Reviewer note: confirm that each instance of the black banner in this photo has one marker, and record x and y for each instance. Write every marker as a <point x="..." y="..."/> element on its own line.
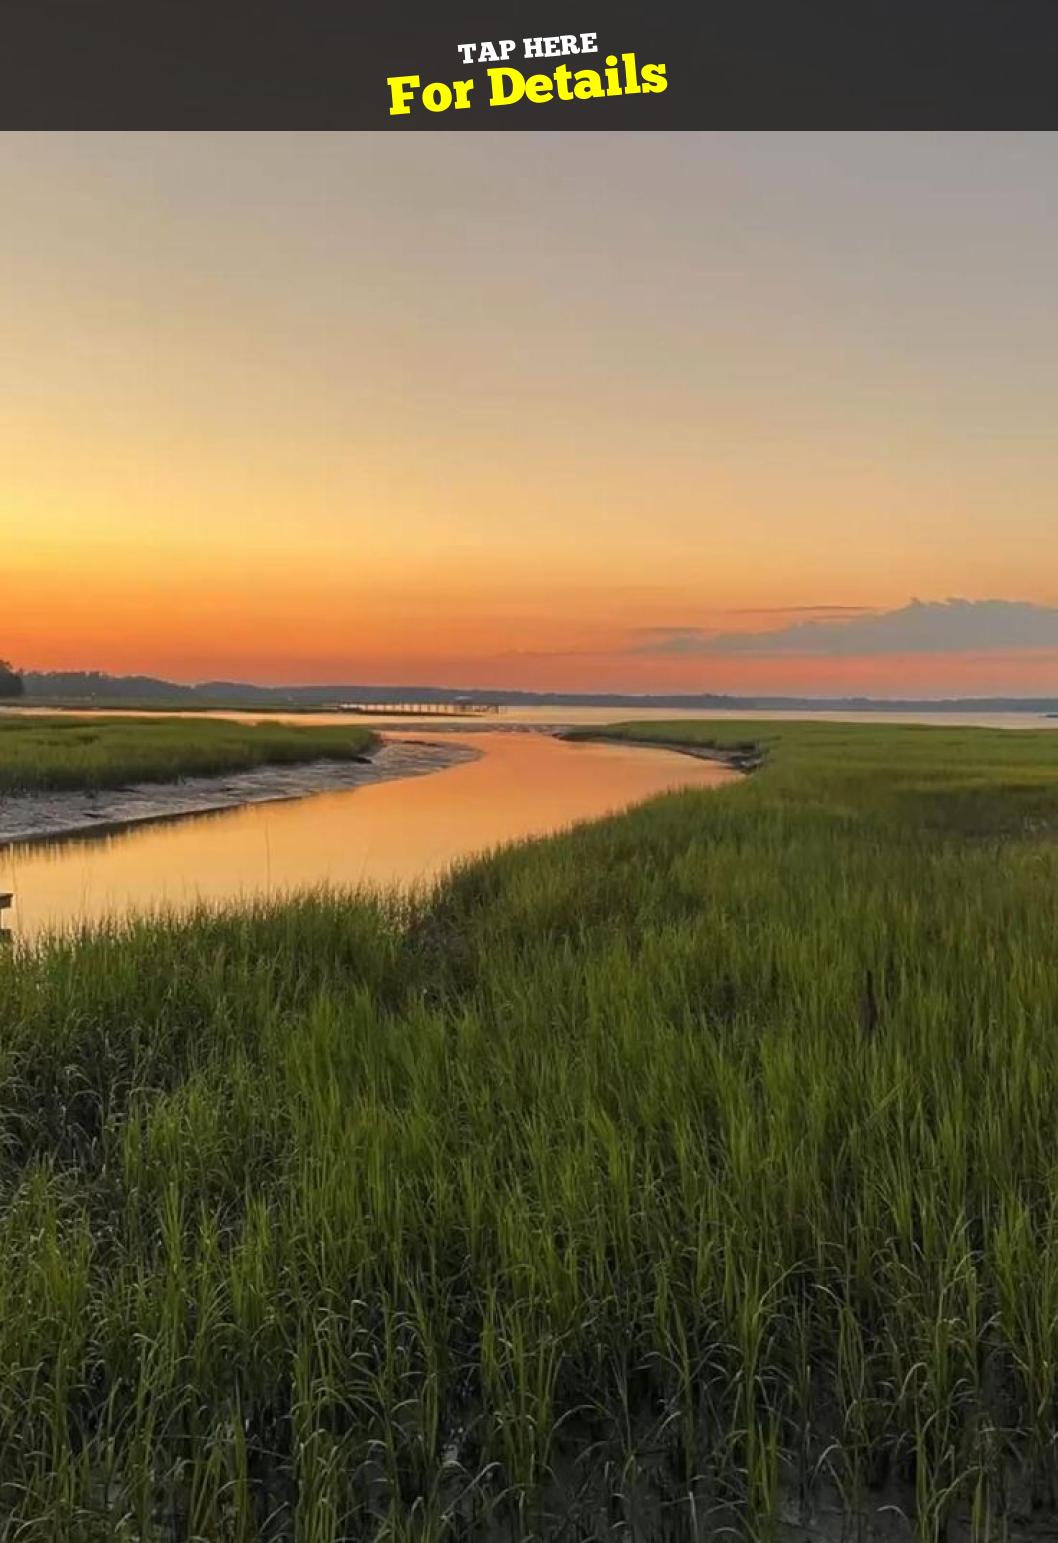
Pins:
<point x="723" y="64"/>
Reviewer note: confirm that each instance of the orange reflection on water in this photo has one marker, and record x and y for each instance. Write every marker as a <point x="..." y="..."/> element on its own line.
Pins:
<point x="407" y="831"/>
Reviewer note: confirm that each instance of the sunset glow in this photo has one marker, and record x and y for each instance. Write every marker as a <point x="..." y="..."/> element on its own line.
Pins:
<point x="493" y="412"/>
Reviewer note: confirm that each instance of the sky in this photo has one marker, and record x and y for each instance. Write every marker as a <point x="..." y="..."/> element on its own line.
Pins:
<point x="567" y="411"/>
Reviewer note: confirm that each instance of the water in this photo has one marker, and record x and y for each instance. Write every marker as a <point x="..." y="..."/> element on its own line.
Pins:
<point x="405" y="832"/>
<point x="556" y="717"/>
<point x="954" y="719"/>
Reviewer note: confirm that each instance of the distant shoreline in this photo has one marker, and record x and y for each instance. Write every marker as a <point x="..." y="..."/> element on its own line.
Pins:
<point x="92" y="690"/>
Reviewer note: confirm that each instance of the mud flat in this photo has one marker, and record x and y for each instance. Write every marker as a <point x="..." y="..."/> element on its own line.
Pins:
<point x="29" y="817"/>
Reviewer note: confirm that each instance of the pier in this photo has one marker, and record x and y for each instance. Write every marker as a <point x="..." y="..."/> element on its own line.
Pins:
<point x="457" y="708"/>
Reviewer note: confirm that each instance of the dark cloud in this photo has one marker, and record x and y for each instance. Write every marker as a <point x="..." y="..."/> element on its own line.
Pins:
<point x="922" y="627"/>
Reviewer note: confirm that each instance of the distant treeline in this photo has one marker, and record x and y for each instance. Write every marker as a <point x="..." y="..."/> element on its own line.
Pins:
<point x="90" y="686"/>
<point x="11" y="683"/>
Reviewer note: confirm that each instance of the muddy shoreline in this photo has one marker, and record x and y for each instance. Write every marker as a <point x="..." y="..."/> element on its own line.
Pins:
<point x="30" y="818"/>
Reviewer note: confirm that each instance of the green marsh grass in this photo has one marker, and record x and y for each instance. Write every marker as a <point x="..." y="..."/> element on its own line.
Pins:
<point x="52" y="752"/>
<point x="690" y="1175"/>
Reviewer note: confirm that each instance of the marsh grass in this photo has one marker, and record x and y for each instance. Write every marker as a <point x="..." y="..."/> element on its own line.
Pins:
<point x="691" y="1175"/>
<point x="52" y="753"/>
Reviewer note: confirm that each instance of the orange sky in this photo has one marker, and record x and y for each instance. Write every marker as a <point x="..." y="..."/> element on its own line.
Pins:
<point x="482" y="410"/>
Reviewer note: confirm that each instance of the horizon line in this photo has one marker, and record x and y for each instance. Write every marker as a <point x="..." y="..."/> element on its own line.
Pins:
<point x="572" y="697"/>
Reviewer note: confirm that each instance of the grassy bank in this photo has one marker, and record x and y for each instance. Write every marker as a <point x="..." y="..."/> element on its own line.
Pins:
<point x="697" y="1165"/>
<point x="189" y="707"/>
<point x="50" y="753"/>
